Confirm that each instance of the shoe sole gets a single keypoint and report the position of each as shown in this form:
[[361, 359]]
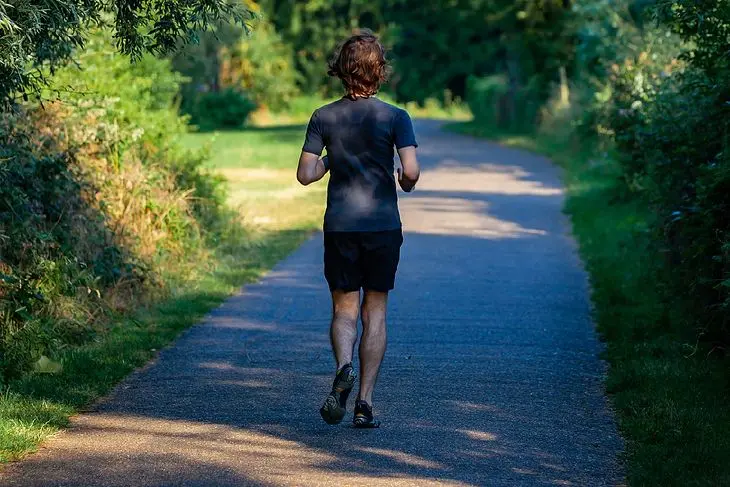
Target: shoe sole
[[331, 411], [365, 424]]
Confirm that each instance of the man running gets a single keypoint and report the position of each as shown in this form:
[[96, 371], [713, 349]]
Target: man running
[[362, 227]]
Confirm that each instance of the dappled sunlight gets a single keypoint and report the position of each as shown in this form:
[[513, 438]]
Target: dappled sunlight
[[453, 198], [478, 435], [481, 384], [213, 454], [458, 216], [237, 323], [402, 457], [228, 367], [524, 471], [471, 406], [271, 198], [484, 178], [259, 454], [254, 384]]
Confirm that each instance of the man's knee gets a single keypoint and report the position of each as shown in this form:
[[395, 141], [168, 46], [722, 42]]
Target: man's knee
[[374, 307], [346, 306]]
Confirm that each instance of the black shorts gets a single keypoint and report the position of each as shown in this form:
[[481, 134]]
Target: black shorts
[[367, 260]]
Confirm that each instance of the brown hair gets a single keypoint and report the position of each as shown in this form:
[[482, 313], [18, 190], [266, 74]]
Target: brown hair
[[360, 63]]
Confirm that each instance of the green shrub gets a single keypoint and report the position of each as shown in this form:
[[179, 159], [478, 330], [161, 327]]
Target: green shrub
[[670, 121], [258, 64], [655, 96], [262, 66], [495, 103], [100, 211], [686, 173], [226, 109], [485, 98]]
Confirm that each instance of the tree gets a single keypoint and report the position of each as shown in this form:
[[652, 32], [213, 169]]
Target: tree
[[35, 33], [314, 27]]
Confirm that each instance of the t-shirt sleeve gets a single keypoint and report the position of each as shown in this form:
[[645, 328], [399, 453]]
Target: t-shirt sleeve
[[314, 140], [403, 134]]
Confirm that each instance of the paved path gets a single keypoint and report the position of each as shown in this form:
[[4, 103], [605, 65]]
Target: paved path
[[491, 377]]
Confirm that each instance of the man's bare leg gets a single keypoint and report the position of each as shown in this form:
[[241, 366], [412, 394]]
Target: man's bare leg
[[343, 331], [373, 342]]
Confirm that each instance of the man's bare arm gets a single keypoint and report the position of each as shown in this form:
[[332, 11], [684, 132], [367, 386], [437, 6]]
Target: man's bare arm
[[410, 171], [311, 168]]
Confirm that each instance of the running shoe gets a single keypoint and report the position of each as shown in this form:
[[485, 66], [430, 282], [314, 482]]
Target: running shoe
[[334, 407], [364, 416]]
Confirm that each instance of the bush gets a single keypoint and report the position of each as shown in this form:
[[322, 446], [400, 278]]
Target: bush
[[100, 211], [227, 109], [230, 63], [684, 136], [656, 98], [262, 66], [496, 104]]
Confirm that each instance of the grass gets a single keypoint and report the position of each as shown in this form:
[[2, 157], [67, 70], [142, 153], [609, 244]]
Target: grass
[[669, 392], [277, 215], [270, 147], [260, 166]]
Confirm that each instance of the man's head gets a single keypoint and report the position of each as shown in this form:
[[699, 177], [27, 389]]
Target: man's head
[[360, 63]]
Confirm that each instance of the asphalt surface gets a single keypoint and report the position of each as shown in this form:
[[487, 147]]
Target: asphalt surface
[[492, 375]]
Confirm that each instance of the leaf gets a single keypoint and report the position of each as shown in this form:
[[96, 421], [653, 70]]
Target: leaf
[[44, 365]]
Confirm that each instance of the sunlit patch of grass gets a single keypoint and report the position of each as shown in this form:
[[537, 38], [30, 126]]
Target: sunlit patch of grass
[[669, 392], [25, 422], [260, 166], [275, 147]]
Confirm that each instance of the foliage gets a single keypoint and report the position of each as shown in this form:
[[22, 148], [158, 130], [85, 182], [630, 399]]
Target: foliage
[[99, 209], [651, 86], [37, 405], [435, 46], [530, 43], [262, 66], [688, 165], [230, 66], [526, 41], [200, 63], [226, 109], [493, 102], [314, 27], [44, 33], [663, 105]]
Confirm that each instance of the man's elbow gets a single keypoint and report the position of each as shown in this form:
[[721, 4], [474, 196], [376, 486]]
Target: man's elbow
[[413, 175], [303, 179]]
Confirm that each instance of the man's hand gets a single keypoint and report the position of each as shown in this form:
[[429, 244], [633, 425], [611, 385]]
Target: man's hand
[[409, 172], [311, 168]]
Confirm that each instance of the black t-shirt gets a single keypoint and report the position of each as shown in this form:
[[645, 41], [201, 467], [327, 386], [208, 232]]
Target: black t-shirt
[[359, 136]]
